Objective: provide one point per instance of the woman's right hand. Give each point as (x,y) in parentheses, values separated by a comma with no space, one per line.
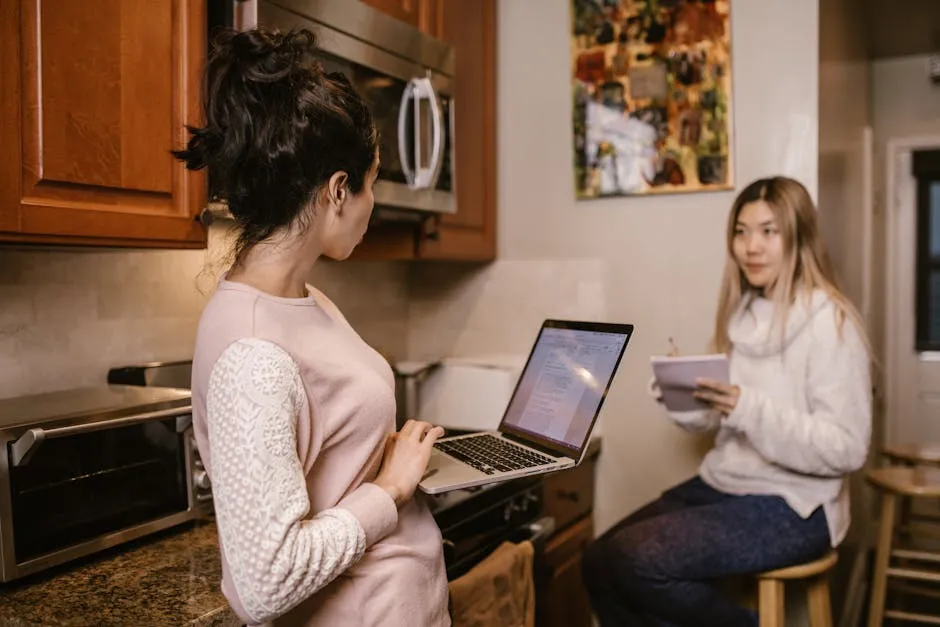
(406,458)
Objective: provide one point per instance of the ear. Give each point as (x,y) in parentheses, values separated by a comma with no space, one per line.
(337,189)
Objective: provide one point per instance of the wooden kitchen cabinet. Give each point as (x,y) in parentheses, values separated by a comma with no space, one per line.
(561,600)
(470,233)
(470,25)
(423,14)
(96,93)
(560,596)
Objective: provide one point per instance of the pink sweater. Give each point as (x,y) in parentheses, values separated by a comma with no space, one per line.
(291,410)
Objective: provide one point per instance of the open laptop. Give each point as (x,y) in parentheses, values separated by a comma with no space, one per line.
(548,422)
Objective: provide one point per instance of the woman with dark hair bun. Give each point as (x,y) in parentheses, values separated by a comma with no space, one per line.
(293,413)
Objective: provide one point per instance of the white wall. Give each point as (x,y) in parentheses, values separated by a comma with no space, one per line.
(655,261)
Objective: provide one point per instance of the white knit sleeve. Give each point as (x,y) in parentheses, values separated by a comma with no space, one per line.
(694,421)
(832,438)
(277,556)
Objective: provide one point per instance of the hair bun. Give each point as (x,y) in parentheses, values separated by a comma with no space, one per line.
(266,57)
(276,128)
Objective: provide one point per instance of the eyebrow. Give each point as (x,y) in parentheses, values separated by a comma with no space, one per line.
(770,222)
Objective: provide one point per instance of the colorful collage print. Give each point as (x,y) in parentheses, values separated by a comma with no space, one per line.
(651,81)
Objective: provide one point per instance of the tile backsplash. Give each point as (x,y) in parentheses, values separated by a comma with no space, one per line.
(67,316)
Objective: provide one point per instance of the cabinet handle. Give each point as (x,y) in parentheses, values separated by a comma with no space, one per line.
(569,495)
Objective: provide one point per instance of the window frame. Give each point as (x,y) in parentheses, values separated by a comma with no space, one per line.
(926,171)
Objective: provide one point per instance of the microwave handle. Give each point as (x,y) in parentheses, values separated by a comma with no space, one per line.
(417,177)
(403,155)
(27,444)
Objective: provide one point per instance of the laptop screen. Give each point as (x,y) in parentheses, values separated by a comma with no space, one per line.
(563,385)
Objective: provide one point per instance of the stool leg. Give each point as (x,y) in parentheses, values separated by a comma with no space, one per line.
(879,579)
(820,608)
(770,603)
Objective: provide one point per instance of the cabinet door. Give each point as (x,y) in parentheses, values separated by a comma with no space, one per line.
(470,25)
(560,597)
(404,10)
(431,17)
(423,14)
(101,93)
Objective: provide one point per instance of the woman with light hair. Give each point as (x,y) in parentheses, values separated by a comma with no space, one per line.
(795,420)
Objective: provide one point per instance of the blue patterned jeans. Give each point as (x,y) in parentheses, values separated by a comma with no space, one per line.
(658,566)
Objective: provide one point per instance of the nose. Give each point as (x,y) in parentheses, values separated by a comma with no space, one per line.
(755,243)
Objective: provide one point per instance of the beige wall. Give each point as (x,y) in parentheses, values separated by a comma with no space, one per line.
(68,316)
(845,188)
(654,262)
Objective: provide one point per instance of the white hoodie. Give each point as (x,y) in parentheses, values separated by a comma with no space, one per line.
(803,420)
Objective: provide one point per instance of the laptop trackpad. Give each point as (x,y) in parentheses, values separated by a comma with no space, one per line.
(444,470)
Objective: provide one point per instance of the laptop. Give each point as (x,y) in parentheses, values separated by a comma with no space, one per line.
(549,418)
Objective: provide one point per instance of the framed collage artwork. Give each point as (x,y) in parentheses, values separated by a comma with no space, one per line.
(651,84)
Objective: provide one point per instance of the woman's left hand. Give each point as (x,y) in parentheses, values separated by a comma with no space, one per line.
(720,396)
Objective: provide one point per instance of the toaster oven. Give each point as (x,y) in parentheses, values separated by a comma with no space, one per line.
(88,469)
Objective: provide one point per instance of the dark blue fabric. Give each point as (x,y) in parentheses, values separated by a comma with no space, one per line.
(658,566)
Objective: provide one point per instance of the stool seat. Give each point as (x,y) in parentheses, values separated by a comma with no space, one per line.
(802,571)
(916,481)
(913,453)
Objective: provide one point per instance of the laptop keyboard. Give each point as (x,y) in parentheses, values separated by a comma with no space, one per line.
(490,454)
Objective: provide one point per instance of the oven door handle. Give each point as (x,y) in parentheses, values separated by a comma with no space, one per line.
(25,446)
(540,530)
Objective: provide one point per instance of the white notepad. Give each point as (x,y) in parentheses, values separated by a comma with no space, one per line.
(675,377)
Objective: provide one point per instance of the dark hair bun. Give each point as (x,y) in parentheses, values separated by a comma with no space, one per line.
(276,128)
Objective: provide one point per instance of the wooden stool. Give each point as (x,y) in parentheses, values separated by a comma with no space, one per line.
(770,592)
(912,454)
(895,483)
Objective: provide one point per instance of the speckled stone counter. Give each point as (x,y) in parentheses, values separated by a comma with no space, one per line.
(167,581)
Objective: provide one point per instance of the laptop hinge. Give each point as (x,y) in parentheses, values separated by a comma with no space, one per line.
(535,445)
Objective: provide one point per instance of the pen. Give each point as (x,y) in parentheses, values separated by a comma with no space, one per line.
(673,349)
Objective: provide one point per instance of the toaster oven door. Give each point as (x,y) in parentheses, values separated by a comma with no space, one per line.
(83,489)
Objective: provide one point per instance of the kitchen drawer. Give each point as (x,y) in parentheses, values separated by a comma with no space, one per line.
(569,494)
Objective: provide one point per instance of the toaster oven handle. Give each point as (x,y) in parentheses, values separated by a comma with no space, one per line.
(25,446)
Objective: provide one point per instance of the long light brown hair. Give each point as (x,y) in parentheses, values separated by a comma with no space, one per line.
(805,267)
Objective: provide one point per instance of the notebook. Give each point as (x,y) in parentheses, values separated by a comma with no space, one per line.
(675,377)
(549,418)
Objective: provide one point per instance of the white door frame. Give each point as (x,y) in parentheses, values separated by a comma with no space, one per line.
(893,284)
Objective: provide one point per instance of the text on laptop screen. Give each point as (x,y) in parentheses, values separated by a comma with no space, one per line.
(561,387)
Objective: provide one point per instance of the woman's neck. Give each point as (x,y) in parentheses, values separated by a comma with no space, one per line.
(277,268)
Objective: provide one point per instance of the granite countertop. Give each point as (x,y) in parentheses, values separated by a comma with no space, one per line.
(167,580)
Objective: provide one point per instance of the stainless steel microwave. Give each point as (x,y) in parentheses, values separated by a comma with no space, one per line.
(405,76)
(84,470)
